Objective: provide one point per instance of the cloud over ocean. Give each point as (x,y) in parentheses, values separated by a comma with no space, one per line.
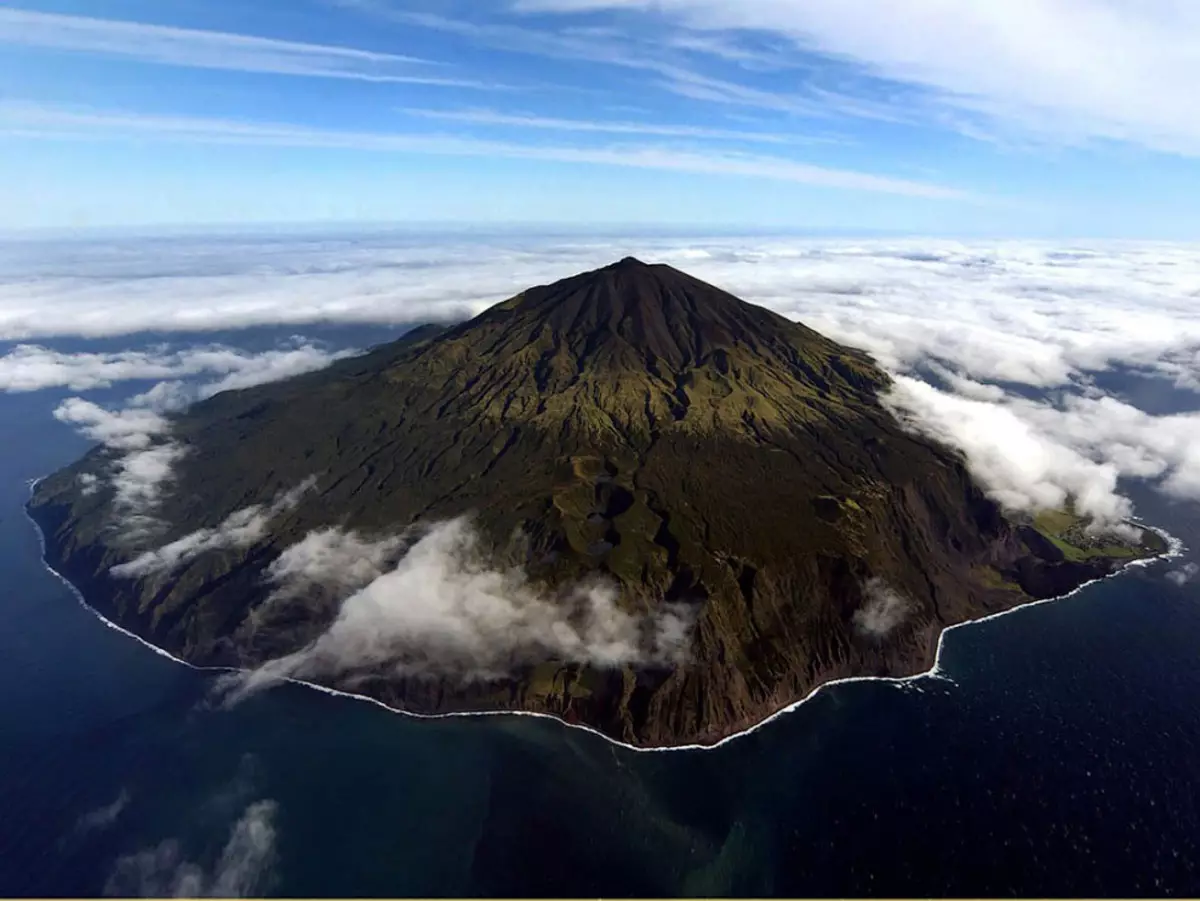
(998,347)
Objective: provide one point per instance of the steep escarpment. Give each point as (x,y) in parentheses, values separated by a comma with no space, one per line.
(634,424)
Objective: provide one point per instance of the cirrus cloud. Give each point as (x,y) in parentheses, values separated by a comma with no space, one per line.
(1071,70)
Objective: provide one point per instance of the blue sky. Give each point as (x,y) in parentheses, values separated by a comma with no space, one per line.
(1041,118)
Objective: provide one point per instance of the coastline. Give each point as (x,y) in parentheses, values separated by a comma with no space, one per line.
(1175,548)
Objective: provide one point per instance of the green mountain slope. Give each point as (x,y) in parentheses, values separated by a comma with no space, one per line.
(631,422)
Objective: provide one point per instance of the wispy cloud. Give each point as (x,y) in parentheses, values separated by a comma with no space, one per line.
(240,529)
(1074,69)
(143,459)
(143,454)
(130,429)
(1184,574)
(105,816)
(333,558)
(667,60)
(195,48)
(242,869)
(493,117)
(726,48)
(52,122)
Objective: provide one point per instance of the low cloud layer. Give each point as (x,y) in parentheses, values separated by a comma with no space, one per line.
(992,320)
(882,611)
(133,428)
(1030,312)
(144,454)
(242,869)
(32,367)
(1034,455)
(443,610)
(333,558)
(240,529)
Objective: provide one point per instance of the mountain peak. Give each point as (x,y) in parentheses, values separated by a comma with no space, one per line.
(715,463)
(628,263)
(631,314)
(625,350)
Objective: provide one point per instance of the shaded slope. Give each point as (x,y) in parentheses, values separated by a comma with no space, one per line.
(631,421)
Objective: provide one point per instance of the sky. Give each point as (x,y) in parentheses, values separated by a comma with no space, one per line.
(1016,118)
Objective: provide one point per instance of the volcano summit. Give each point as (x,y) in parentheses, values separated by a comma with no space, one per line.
(628,499)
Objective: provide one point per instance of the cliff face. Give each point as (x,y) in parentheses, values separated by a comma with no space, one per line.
(632,422)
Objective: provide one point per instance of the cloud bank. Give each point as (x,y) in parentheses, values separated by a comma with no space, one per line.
(240,529)
(1034,455)
(242,869)
(443,610)
(988,321)
(1029,312)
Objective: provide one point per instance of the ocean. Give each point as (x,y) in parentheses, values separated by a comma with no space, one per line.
(1058,753)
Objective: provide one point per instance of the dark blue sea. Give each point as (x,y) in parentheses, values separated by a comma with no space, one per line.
(1061,756)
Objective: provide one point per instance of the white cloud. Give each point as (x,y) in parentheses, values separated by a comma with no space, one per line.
(145,458)
(1030,312)
(239,529)
(139,479)
(243,868)
(333,558)
(882,611)
(139,434)
(1034,455)
(166,397)
(129,429)
(103,817)
(1025,467)
(443,610)
(31,367)
(1066,69)
(1184,574)
(977,313)
(201,49)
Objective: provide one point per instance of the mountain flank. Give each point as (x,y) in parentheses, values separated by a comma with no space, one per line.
(632,427)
